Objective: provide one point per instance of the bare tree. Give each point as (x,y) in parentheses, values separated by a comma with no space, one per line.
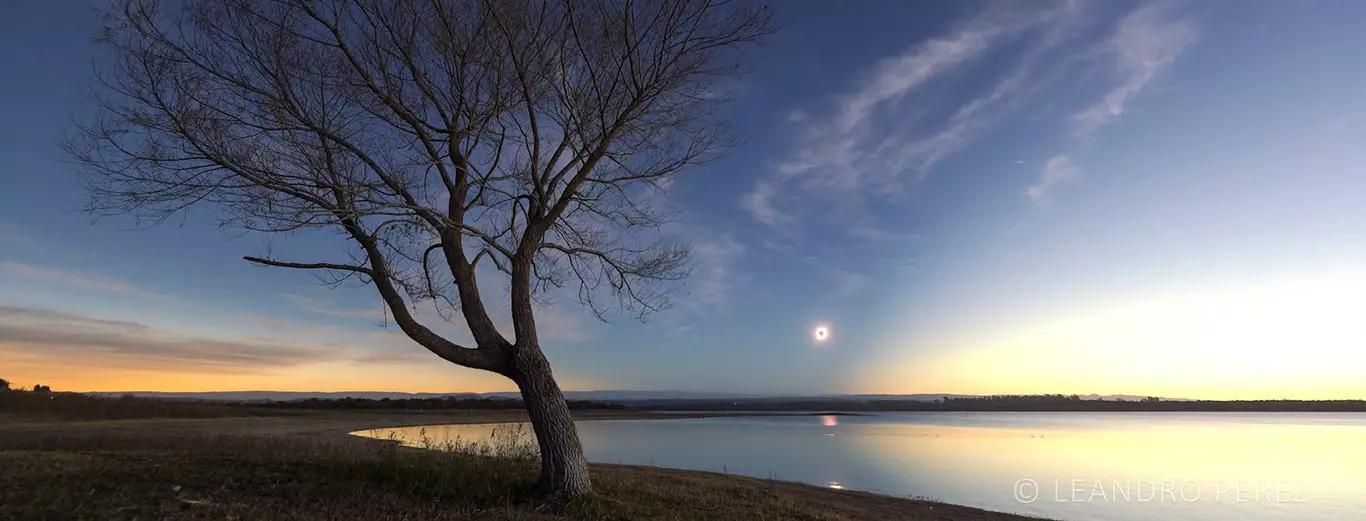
(433,135)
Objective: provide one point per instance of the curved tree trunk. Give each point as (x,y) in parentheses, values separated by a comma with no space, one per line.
(564,470)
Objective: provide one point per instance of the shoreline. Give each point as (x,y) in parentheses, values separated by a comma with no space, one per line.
(65,439)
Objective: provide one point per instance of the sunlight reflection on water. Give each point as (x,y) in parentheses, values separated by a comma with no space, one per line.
(1071,466)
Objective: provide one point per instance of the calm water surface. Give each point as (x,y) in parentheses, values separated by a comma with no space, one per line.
(1070,466)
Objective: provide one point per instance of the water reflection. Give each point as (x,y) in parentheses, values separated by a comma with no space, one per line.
(1117,466)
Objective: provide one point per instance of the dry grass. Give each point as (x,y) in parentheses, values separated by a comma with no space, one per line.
(281,469)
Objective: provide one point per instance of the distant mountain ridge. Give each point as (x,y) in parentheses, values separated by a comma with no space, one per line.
(623,396)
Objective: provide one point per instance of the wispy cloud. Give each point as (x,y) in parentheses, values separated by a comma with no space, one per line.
(324,306)
(304,331)
(759,202)
(1147,41)
(61,337)
(1057,170)
(415,355)
(677,330)
(896,76)
(73,278)
(13,314)
(891,129)
(553,322)
(843,151)
(712,281)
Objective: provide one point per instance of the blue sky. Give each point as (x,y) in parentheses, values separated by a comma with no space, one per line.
(976,197)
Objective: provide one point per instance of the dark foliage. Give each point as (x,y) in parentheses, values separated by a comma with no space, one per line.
(418,404)
(49,405)
(42,403)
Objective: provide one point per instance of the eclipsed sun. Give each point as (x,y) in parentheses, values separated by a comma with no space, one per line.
(821,333)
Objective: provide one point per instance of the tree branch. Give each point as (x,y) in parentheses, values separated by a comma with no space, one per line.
(310,266)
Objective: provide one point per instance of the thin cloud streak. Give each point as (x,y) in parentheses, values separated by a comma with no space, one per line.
(837,153)
(874,143)
(715,275)
(60,337)
(325,307)
(73,278)
(1148,41)
(416,355)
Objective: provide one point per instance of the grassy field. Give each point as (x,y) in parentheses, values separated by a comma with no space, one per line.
(292,465)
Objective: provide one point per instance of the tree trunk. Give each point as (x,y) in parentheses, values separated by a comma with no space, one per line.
(564,470)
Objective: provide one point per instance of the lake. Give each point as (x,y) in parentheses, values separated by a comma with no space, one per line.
(1069,466)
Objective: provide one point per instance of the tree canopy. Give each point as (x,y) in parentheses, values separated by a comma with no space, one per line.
(433,136)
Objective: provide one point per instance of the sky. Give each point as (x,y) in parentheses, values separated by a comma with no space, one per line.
(1154,198)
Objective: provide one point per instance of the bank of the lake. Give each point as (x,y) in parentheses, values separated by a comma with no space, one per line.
(307,466)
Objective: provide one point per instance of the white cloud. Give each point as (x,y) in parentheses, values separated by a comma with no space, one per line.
(883,137)
(677,330)
(553,322)
(759,203)
(1148,40)
(714,277)
(899,75)
(55,336)
(73,278)
(842,152)
(1057,170)
(326,307)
